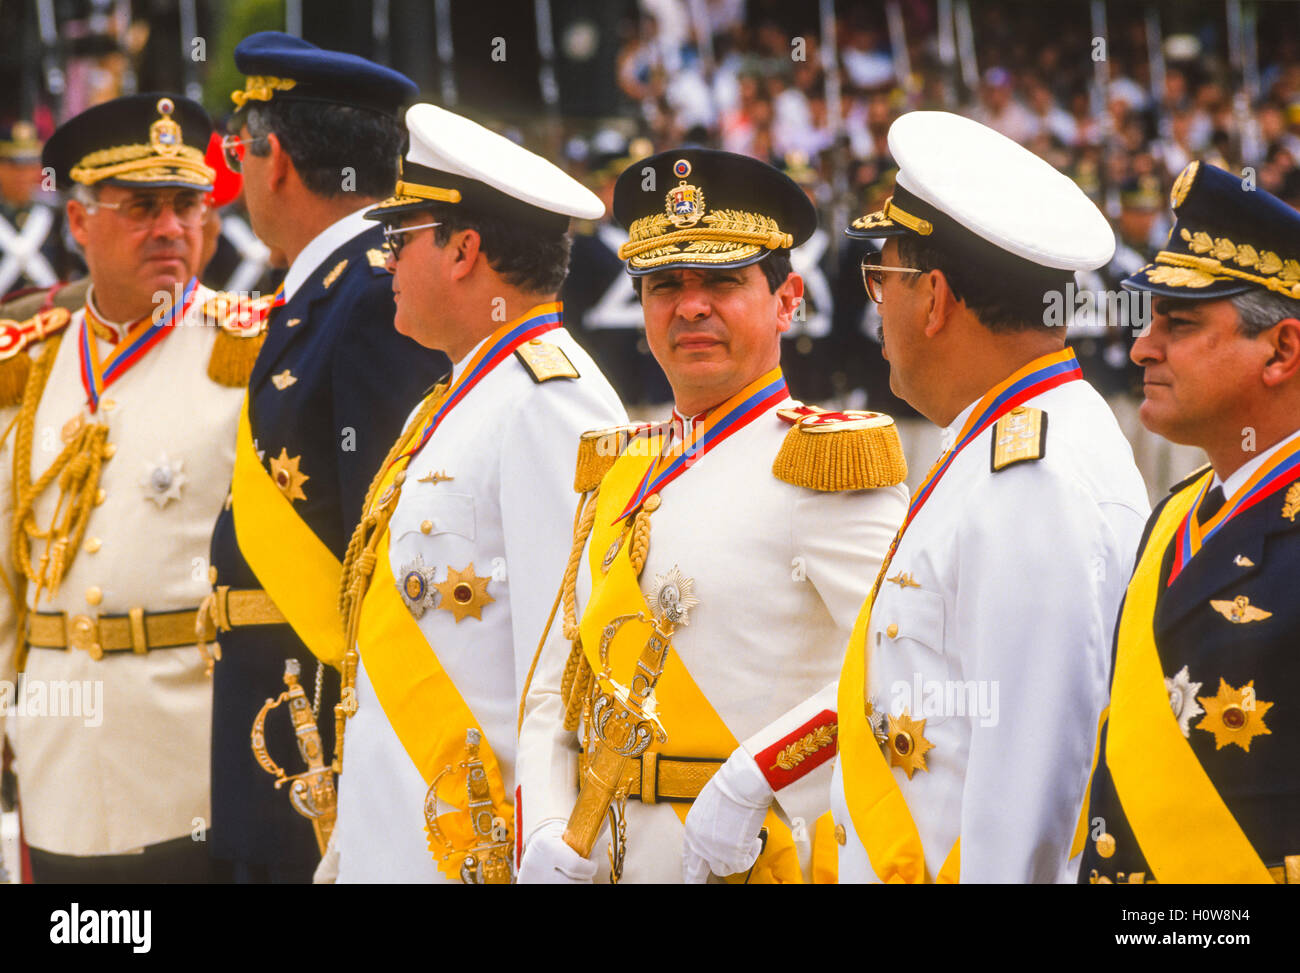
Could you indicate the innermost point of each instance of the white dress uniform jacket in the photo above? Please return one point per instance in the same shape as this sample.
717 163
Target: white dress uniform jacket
1003 643
135 772
780 572
509 447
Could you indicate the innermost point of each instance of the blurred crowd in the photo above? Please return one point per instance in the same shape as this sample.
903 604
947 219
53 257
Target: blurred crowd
1121 114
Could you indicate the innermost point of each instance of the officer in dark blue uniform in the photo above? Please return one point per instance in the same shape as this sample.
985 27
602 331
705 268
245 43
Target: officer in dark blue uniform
1198 777
317 135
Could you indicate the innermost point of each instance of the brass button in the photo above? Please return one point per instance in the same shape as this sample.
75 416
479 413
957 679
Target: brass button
652 503
108 405
535 341
400 478
426 526
93 544
212 574
892 631
100 496
1105 845
841 836
94 595
110 450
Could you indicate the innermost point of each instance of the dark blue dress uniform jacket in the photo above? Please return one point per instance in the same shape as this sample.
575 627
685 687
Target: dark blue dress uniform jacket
357 381
1260 787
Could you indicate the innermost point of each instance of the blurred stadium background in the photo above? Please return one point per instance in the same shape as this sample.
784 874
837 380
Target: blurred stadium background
1119 95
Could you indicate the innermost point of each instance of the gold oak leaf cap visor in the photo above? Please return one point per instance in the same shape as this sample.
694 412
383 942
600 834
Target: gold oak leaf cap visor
151 140
1227 239
974 192
453 160
693 208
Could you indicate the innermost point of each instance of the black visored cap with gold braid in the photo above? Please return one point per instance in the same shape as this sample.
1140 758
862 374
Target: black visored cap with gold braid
1227 239
698 208
149 141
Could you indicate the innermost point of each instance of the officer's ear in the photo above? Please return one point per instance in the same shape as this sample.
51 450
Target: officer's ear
77 214
464 246
942 301
1284 364
789 296
279 165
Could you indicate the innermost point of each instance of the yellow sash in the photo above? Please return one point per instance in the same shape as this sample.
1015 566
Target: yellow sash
875 801
1184 829
694 728
422 704
298 571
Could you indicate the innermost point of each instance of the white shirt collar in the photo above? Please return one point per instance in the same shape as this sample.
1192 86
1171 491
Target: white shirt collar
1238 478
322 245
118 329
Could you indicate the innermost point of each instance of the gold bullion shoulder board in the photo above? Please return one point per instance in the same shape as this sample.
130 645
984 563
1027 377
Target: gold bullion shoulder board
831 451
1020 436
545 361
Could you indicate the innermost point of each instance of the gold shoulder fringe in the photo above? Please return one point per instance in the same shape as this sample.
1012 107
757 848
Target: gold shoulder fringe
232 358
842 451
597 451
15 338
242 324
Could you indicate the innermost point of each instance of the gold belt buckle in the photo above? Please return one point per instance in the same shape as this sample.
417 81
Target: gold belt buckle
83 633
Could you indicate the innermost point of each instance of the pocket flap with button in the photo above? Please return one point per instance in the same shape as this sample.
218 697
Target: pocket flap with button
908 656
444 513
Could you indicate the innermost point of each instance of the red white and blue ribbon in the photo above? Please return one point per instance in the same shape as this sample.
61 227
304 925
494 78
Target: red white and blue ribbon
498 347
96 376
1282 468
720 423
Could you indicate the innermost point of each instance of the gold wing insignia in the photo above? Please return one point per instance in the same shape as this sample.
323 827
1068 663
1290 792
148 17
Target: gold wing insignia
1239 610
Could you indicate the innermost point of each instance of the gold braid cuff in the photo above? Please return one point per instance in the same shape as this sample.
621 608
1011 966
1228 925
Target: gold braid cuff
260 88
855 453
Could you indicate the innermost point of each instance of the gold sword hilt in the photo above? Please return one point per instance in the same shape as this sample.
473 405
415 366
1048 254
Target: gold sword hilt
489 860
311 792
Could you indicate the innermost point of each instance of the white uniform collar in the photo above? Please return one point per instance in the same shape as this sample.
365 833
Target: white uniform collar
948 436
322 245
118 329
1238 479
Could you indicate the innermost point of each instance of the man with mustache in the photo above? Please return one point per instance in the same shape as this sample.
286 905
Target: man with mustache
317 134
114 470
738 537
972 684
1197 776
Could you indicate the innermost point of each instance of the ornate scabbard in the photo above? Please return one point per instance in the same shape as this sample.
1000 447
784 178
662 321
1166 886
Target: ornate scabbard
311 792
624 722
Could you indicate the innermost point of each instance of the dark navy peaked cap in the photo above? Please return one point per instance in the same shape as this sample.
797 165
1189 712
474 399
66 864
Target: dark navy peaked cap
280 66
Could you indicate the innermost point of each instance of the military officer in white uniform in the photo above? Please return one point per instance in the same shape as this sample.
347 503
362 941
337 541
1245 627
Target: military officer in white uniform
764 521
477 500
972 687
123 442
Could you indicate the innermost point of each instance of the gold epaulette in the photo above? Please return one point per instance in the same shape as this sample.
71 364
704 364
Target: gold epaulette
1189 479
545 361
597 451
1020 436
15 338
851 450
242 321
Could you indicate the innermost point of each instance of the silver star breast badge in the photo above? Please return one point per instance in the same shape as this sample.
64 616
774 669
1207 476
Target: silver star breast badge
1182 699
416 586
162 480
672 596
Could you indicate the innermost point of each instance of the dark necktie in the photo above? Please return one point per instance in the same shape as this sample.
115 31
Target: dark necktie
1210 505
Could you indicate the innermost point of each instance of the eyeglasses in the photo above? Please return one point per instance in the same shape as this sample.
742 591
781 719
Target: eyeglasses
873 279
233 148
141 211
393 235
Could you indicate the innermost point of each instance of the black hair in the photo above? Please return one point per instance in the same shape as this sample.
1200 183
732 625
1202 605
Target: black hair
1003 301
531 257
324 140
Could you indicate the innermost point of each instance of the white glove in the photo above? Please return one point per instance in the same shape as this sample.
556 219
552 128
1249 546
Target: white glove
327 872
723 823
548 860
